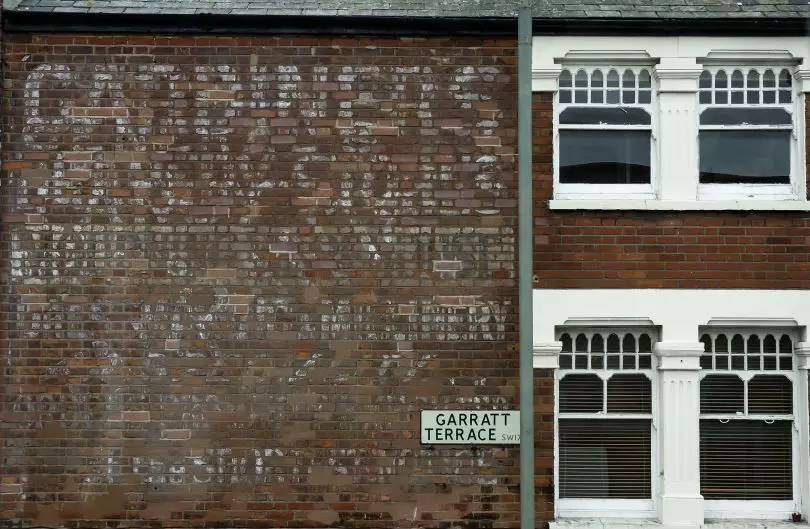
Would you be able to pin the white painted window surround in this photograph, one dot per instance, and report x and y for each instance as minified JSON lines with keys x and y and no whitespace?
{"x":681,"y":316}
{"x":677,"y":63}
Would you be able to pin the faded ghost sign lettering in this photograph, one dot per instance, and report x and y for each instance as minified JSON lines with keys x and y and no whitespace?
{"x":470,"y":427}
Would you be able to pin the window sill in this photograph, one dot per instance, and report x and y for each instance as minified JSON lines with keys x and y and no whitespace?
{"x":630,"y":523}
{"x":678,"y":205}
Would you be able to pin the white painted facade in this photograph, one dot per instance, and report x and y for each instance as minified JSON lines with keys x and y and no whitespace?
{"x":676,"y":63}
{"x":679,"y":315}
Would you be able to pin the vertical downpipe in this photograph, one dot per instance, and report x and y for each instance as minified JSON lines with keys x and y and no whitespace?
{"x":525,"y":245}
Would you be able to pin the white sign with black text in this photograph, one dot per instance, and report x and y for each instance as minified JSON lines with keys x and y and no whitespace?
{"x":470,"y":427}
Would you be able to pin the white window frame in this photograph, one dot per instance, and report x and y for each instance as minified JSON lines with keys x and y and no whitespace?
{"x":677,"y":62}
{"x":585,"y":191}
{"x":680,"y":315}
{"x":760,"y":509}
{"x":600,"y":507}
{"x":740,"y":191}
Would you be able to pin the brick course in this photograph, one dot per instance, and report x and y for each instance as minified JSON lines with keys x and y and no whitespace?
{"x":655,"y":249}
{"x":236,"y":269}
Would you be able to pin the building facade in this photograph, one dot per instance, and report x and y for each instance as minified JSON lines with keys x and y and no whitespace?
{"x":245,"y":245}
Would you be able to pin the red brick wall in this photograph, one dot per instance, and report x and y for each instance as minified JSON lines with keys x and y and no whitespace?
{"x":597,"y":249}
{"x":236,"y":269}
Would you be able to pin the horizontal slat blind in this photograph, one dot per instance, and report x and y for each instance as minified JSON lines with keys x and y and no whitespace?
{"x":605,"y":458}
{"x":722,"y":394}
{"x":603,"y":451}
{"x":746,"y":460}
{"x":746,"y":452}
{"x":629,"y":394}
{"x":770,"y":394}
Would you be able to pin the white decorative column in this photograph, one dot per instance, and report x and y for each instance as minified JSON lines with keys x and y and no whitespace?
{"x":802,"y":352}
{"x":680,"y":503}
{"x":802,"y":78}
{"x":678,"y":128}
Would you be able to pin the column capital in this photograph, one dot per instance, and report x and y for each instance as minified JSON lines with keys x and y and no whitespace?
{"x":545,"y":80}
{"x":682,"y":356}
{"x":677,"y":75}
{"x":802,"y":352}
{"x":802,"y":77}
{"x":546,"y":355}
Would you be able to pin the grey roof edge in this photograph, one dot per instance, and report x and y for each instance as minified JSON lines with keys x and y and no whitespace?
{"x":545,"y":9}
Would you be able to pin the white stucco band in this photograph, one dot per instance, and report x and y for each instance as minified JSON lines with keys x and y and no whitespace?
{"x":679,"y":313}
{"x":674,"y":55}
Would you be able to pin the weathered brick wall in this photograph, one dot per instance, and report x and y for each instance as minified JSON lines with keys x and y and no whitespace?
{"x":598,"y":249}
{"x":235,"y":269}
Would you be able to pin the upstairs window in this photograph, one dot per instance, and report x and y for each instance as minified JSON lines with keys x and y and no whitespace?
{"x":605,"y":410}
{"x":604,"y":133}
{"x":747,"y":430}
{"x":746,"y":140}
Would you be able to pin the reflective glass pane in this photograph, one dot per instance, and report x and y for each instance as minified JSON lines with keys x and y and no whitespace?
{"x":604,"y":157}
{"x":745,"y":156}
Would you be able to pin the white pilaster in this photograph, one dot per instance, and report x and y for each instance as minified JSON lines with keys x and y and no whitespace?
{"x":680,"y":502}
{"x":802,"y":353}
{"x":678,"y":128}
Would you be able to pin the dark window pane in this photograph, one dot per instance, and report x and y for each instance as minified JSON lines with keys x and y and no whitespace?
{"x":745,"y":156}
{"x":613,"y":361}
{"x":769,"y":394}
{"x":645,"y":361}
{"x":613,"y":344}
{"x":629,"y":394}
{"x":753,"y":87}
{"x":613,"y":87}
{"x":707,"y":343}
{"x":746,"y":460}
{"x":581,"y":394}
{"x":629,"y":343}
{"x":706,"y":361}
{"x":605,"y":116}
{"x":644,"y":344}
{"x":705,"y":80}
{"x":604,"y":157}
{"x":605,"y":459}
{"x":722,"y":394}
{"x":628,"y":361}
{"x":785,"y":344}
{"x":747,"y":116}
{"x":737,"y":84}
{"x":769,"y":87}
{"x":769,"y":363}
